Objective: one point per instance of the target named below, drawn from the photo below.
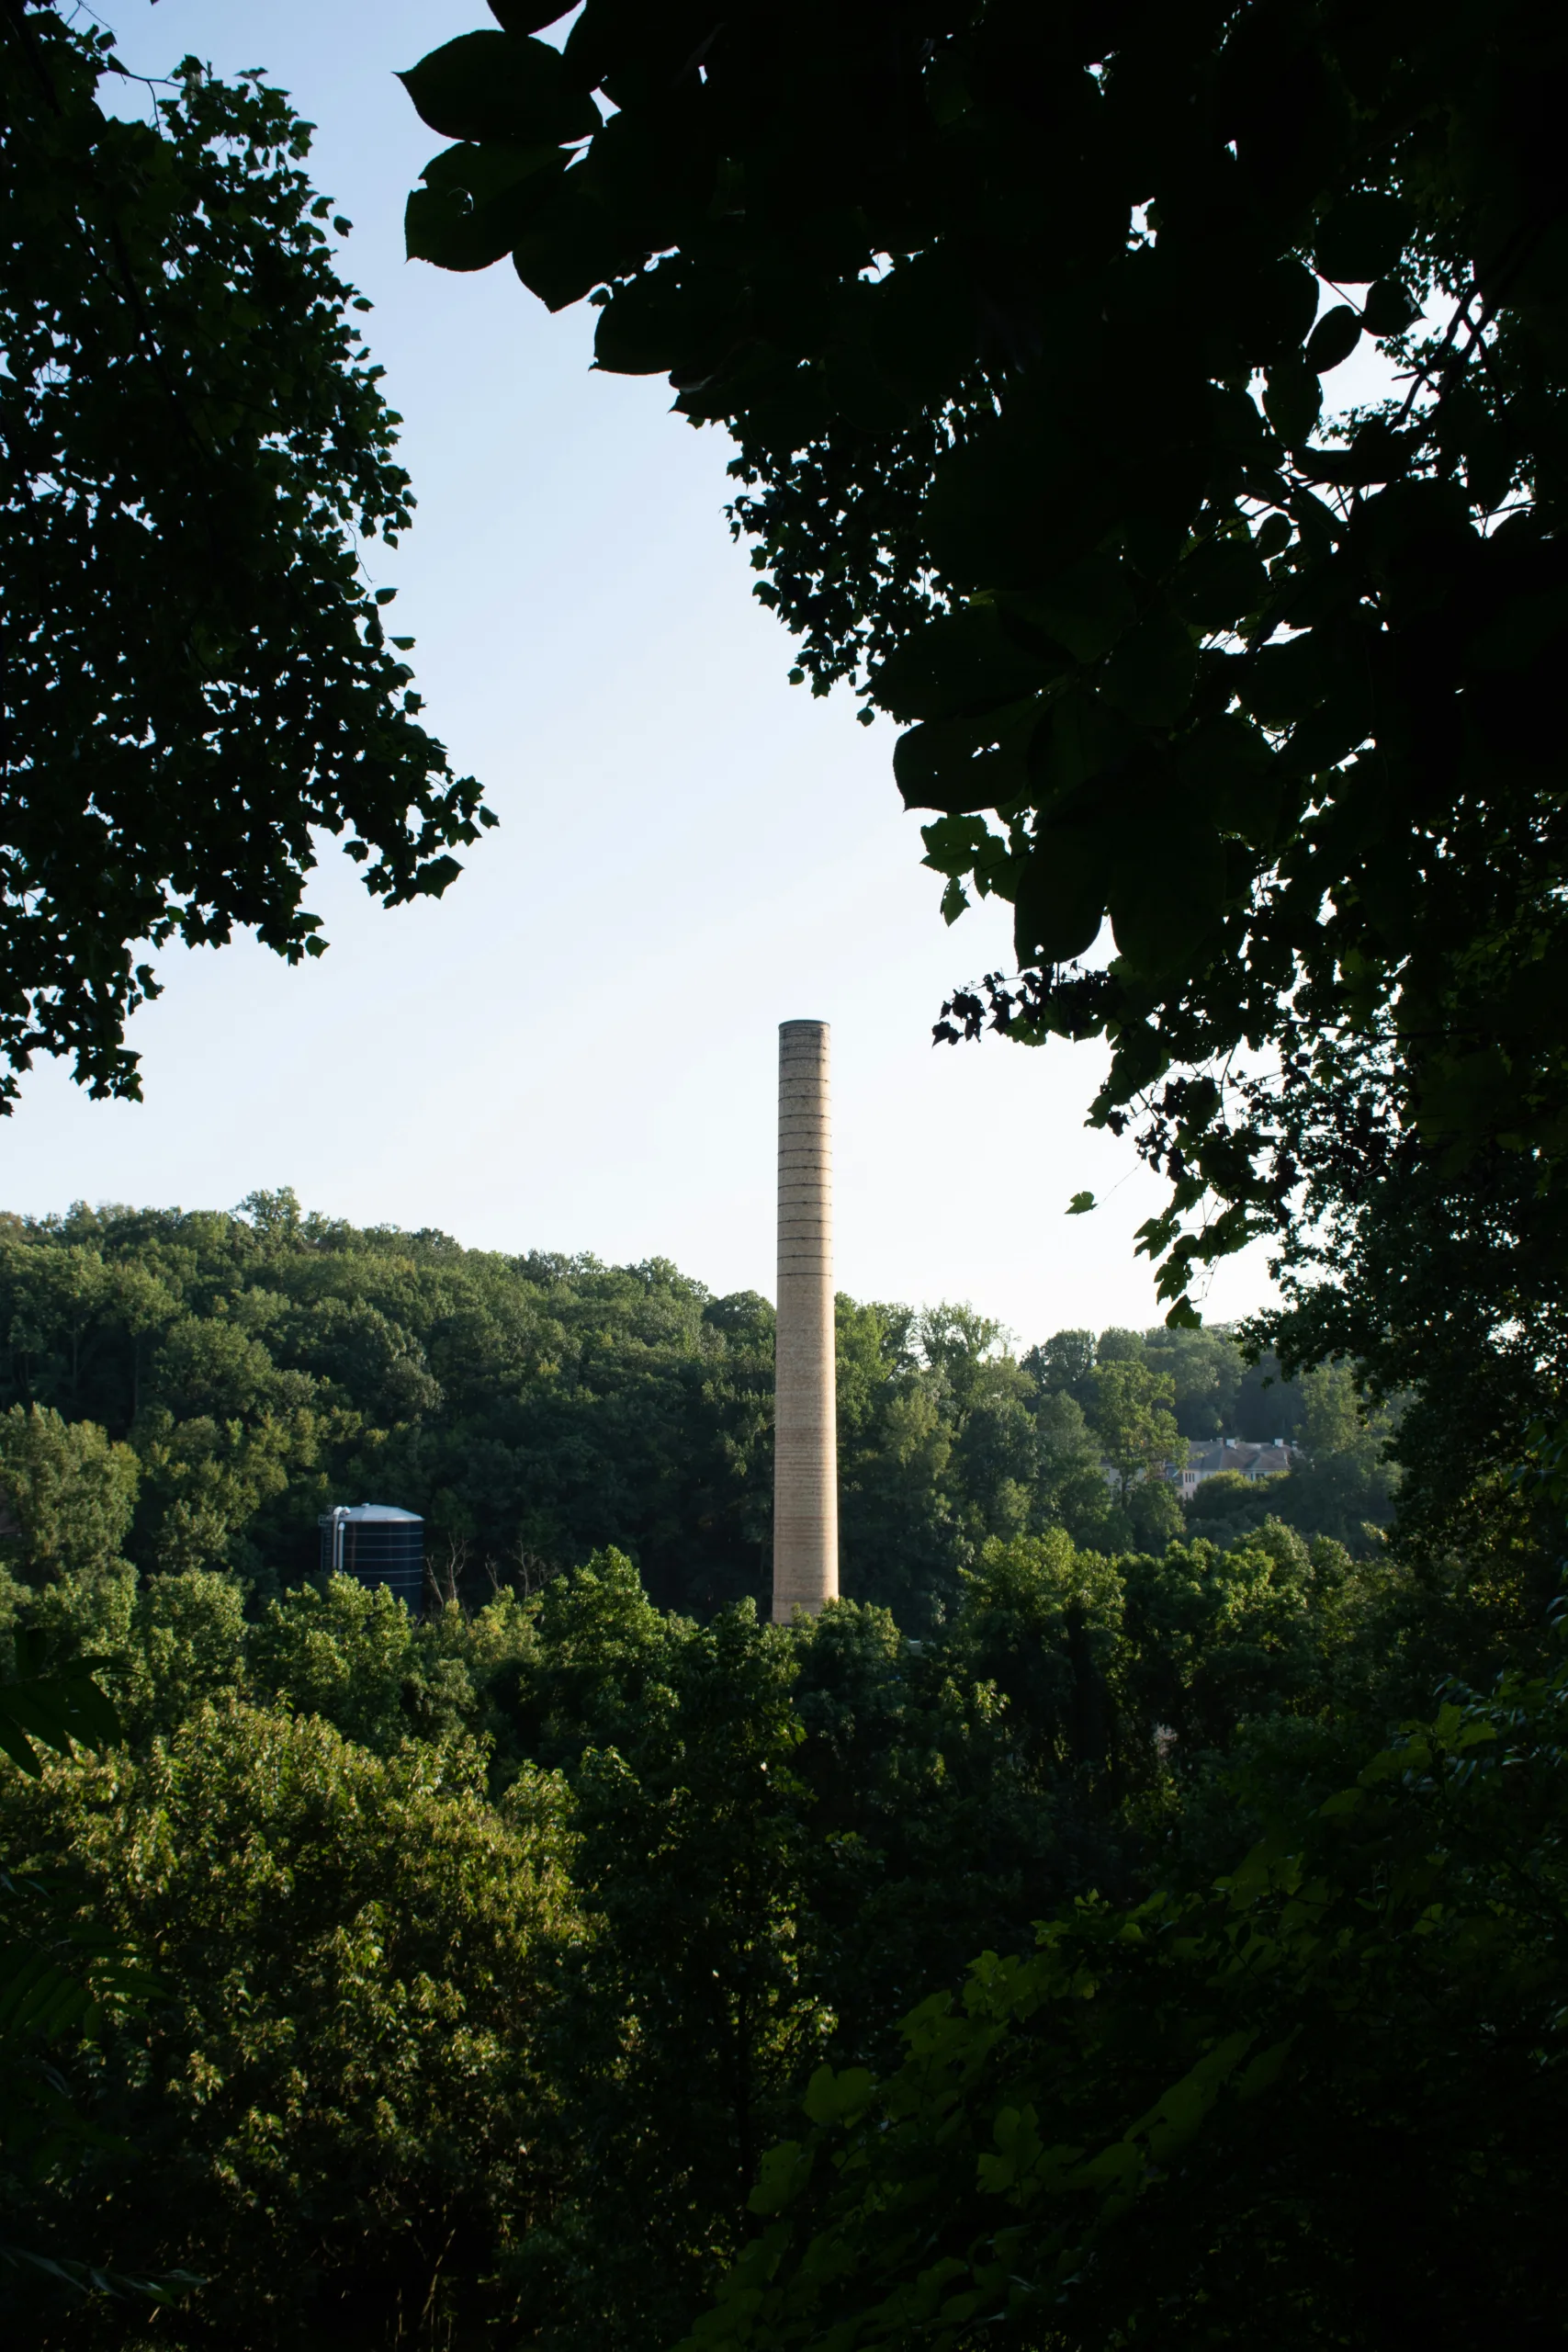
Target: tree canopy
(1389, 1970)
(186, 1389)
(494, 1954)
(461, 1980)
(1025, 320)
(197, 675)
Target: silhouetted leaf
(1059, 895)
(1334, 338)
(476, 203)
(957, 764)
(497, 87)
(957, 664)
(1151, 672)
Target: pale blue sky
(575, 1049)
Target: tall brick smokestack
(805, 1438)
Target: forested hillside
(263, 1365)
(491, 1955)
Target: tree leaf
(1334, 338)
(494, 85)
(1059, 894)
(1080, 735)
(1220, 582)
(1017, 502)
(1232, 775)
(527, 16)
(1272, 308)
(670, 320)
(784, 2172)
(59, 1709)
(1377, 453)
(476, 202)
(838, 2098)
(1086, 608)
(1166, 900)
(1151, 673)
(960, 764)
(924, 323)
(1279, 683)
(963, 661)
(571, 244)
(1389, 309)
(1292, 400)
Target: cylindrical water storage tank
(376, 1545)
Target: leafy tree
(1177, 640)
(198, 676)
(970, 1775)
(1133, 1422)
(938, 1450)
(1072, 1489)
(1345, 1488)
(1042, 1626)
(1064, 1364)
(1269, 1402)
(60, 1977)
(1207, 1374)
(958, 1344)
(344, 1654)
(187, 1646)
(337, 2104)
(1220, 1636)
(1119, 1346)
(1449, 1297)
(898, 1536)
(71, 1493)
(1334, 1418)
(520, 1930)
(687, 2023)
(1227, 1495)
(1224, 2115)
(1206, 1368)
(265, 1365)
(1338, 1486)
(1153, 1514)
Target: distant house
(1251, 1461)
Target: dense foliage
(196, 447)
(192, 1390)
(1390, 1973)
(484, 1960)
(475, 1975)
(62, 1976)
(1026, 322)
(493, 1955)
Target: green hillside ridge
(262, 1365)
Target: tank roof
(361, 1512)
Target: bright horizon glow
(577, 1048)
